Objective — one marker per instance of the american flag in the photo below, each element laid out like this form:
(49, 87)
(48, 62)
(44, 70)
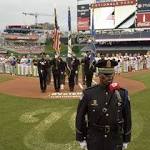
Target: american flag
(56, 36)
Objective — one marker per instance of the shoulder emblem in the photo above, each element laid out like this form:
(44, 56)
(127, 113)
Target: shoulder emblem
(94, 103)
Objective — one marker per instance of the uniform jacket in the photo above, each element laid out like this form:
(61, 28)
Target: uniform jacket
(42, 65)
(99, 108)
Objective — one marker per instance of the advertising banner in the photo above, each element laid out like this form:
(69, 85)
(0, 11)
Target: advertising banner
(143, 5)
(83, 17)
(143, 19)
(113, 3)
(83, 24)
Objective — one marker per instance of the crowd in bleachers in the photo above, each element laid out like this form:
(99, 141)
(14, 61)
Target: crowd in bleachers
(26, 49)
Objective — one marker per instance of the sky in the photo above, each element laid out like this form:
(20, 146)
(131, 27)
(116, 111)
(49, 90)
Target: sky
(11, 12)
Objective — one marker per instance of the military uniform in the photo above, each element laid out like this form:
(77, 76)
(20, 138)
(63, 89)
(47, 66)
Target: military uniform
(49, 70)
(88, 70)
(63, 67)
(104, 117)
(73, 72)
(42, 71)
(56, 70)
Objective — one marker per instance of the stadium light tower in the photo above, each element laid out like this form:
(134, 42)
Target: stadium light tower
(36, 15)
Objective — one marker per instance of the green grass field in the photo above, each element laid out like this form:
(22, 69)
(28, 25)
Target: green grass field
(35, 124)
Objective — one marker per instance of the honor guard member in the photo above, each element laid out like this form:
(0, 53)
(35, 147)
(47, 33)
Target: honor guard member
(89, 69)
(73, 72)
(77, 70)
(103, 120)
(56, 70)
(48, 69)
(63, 68)
(82, 66)
(42, 70)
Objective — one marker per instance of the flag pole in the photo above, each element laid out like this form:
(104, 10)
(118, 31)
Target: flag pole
(69, 34)
(92, 40)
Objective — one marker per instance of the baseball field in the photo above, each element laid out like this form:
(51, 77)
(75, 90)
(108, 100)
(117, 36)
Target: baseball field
(48, 124)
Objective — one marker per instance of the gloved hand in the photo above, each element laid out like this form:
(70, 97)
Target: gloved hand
(83, 145)
(125, 145)
(76, 72)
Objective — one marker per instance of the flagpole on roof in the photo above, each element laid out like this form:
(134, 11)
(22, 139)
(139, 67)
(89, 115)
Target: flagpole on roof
(69, 34)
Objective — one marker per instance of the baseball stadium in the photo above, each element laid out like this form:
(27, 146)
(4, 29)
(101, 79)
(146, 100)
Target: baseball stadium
(44, 71)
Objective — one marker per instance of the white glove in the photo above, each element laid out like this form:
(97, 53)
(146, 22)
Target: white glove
(76, 72)
(125, 145)
(83, 145)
